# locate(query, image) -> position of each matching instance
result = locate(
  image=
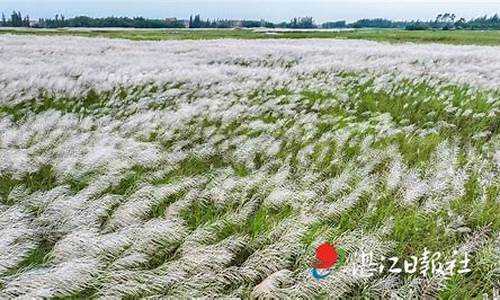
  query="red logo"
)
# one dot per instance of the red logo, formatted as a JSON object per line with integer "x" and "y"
{"x": 326, "y": 255}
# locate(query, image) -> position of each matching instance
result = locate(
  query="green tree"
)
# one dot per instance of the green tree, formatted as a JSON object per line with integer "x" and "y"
{"x": 16, "y": 19}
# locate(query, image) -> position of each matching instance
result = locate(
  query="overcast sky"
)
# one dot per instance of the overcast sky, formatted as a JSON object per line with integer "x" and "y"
{"x": 273, "y": 10}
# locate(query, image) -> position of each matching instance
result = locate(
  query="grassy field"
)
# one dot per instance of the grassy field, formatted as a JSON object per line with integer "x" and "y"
{"x": 393, "y": 36}
{"x": 216, "y": 168}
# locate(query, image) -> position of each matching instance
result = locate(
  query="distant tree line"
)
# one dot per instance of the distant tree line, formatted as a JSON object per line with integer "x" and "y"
{"x": 299, "y": 23}
{"x": 446, "y": 21}
{"x": 197, "y": 22}
{"x": 16, "y": 20}
{"x": 83, "y": 21}
{"x": 449, "y": 21}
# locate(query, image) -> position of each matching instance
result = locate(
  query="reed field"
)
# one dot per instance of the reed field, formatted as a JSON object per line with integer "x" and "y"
{"x": 214, "y": 168}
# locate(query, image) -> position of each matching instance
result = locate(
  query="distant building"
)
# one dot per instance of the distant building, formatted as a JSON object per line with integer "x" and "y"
{"x": 236, "y": 23}
{"x": 185, "y": 23}
{"x": 34, "y": 23}
{"x": 174, "y": 20}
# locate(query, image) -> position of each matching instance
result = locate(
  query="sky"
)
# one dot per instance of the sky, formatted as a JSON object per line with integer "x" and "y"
{"x": 271, "y": 10}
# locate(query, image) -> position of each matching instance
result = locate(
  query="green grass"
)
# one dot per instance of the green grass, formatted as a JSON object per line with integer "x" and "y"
{"x": 80, "y": 183}
{"x": 479, "y": 215}
{"x": 200, "y": 214}
{"x": 37, "y": 257}
{"x": 259, "y": 223}
{"x": 84, "y": 106}
{"x": 383, "y": 35}
{"x": 43, "y": 179}
{"x": 88, "y": 293}
{"x": 158, "y": 211}
{"x": 192, "y": 166}
{"x": 265, "y": 219}
{"x": 130, "y": 182}
{"x": 7, "y": 184}
{"x": 423, "y": 107}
